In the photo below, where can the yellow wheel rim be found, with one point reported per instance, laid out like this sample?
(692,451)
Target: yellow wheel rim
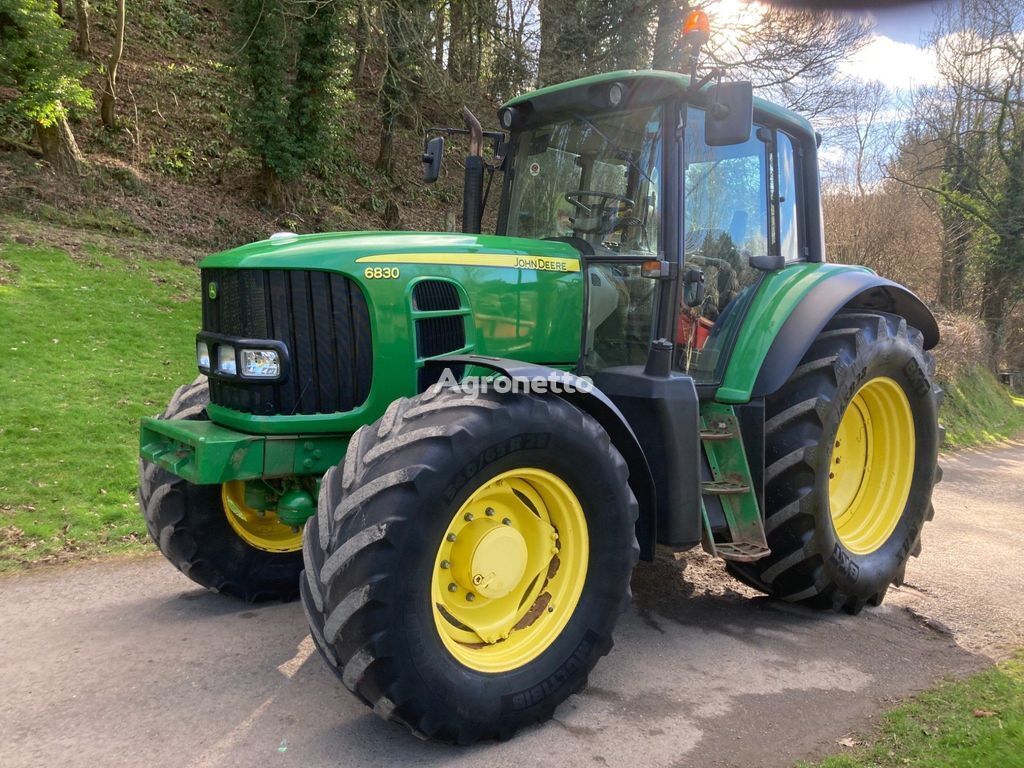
(871,466)
(264,531)
(510,570)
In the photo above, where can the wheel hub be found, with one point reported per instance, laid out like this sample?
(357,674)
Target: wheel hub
(489,558)
(871,466)
(510,570)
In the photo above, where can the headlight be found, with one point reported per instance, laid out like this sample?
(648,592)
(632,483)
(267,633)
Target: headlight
(261,363)
(203,355)
(226,360)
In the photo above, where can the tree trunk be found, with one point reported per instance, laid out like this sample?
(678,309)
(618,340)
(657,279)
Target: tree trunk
(671,15)
(109,99)
(385,156)
(551,22)
(82,19)
(273,188)
(456,40)
(439,36)
(60,8)
(59,147)
(362,44)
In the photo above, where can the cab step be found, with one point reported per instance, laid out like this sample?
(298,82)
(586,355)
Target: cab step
(724,488)
(713,436)
(741,551)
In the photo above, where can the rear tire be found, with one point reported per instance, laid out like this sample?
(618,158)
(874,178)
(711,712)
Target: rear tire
(373,552)
(811,562)
(189,525)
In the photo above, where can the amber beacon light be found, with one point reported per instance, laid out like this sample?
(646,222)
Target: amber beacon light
(697,22)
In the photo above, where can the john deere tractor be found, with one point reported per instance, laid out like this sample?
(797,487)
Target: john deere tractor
(456,446)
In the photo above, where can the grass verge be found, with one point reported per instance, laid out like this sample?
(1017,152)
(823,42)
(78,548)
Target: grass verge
(978,409)
(90,344)
(974,722)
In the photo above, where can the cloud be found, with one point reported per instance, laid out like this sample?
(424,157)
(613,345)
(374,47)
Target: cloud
(901,66)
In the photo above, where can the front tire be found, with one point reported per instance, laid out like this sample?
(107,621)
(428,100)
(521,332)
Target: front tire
(469,560)
(189,523)
(851,442)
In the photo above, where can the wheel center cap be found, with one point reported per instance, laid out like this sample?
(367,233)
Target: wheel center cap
(489,558)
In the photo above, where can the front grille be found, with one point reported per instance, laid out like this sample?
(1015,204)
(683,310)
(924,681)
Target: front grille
(434,295)
(321,317)
(437,335)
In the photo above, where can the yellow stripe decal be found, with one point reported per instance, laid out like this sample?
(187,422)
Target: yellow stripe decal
(511,261)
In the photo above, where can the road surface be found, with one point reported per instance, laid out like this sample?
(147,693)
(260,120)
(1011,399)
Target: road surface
(127,663)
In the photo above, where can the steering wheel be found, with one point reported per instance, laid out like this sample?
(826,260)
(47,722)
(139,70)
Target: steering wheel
(599,217)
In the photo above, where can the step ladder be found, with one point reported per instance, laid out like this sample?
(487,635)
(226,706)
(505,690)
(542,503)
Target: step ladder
(731,483)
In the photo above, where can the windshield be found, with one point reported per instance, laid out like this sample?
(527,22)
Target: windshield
(595,177)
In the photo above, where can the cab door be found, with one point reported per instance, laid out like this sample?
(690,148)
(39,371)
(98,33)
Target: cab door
(741,202)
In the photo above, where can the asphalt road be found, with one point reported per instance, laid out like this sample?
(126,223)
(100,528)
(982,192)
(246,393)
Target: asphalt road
(127,663)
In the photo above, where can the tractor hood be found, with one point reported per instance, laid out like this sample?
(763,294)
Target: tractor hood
(352,251)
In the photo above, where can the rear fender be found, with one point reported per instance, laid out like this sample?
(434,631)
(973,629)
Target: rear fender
(790,310)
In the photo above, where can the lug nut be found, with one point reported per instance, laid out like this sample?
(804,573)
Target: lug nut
(470,596)
(506,521)
(451,537)
(468,516)
(489,511)
(445,564)
(453,588)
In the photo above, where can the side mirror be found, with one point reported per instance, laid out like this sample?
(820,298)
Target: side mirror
(433,153)
(730,114)
(693,288)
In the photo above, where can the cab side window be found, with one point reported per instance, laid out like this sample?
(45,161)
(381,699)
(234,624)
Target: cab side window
(789,218)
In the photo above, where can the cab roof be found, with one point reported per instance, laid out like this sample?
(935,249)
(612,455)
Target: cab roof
(666,83)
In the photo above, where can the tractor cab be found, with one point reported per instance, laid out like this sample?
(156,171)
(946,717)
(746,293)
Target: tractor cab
(676,218)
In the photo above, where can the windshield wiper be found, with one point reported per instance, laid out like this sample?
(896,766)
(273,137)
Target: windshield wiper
(627,156)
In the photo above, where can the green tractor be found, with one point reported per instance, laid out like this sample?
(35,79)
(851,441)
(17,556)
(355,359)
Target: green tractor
(456,446)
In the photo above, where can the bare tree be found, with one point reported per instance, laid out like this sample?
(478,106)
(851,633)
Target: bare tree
(109,98)
(861,132)
(966,150)
(794,55)
(82,23)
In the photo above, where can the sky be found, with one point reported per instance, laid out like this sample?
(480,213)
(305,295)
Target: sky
(899,54)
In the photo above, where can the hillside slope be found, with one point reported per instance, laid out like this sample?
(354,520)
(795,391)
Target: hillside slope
(172,171)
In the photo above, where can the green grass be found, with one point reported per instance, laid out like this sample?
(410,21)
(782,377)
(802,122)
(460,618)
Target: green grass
(89,345)
(975,722)
(978,409)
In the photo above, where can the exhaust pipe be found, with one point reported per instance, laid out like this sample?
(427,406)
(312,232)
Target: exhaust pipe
(473,185)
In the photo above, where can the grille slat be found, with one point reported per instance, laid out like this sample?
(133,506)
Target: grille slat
(341,313)
(323,320)
(434,295)
(437,335)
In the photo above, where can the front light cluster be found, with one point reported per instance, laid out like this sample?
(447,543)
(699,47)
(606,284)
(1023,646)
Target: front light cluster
(255,363)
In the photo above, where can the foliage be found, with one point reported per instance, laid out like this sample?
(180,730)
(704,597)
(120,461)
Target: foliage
(92,344)
(290,54)
(37,65)
(964,148)
(973,722)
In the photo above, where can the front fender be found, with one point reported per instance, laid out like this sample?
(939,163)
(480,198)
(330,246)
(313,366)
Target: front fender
(789,311)
(598,405)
